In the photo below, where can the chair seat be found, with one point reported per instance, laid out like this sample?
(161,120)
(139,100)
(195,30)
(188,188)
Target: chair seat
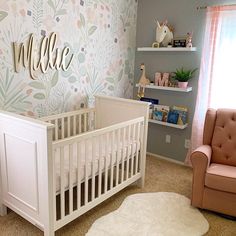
(221,177)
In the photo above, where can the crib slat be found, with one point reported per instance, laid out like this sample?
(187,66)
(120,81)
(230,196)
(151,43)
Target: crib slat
(68,126)
(54,183)
(56,129)
(118,155)
(85,122)
(71,178)
(100,167)
(132,149)
(74,125)
(86,172)
(93,166)
(123,155)
(80,124)
(137,149)
(128,152)
(62,175)
(63,128)
(106,161)
(112,158)
(78,175)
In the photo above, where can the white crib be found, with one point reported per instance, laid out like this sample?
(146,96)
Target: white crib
(57,168)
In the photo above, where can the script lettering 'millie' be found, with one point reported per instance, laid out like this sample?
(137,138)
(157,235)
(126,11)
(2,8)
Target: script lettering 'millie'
(48,56)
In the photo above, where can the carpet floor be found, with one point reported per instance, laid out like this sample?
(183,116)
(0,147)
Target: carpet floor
(161,176)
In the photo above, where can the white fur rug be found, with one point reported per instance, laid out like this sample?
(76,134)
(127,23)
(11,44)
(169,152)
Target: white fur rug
(152,214)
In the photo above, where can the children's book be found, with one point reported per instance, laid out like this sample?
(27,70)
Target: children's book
(183,114)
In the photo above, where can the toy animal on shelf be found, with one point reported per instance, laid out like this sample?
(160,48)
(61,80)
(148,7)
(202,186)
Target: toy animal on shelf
(162,80)
(142,82)
(164,34)
(189,40)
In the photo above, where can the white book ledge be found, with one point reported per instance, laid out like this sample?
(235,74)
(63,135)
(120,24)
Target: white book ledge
(185,90)
(164,49)
(168,124)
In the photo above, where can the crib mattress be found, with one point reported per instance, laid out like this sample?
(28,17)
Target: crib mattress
(106,153)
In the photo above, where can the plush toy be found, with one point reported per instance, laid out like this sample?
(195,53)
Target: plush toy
(164,34)
(142,82)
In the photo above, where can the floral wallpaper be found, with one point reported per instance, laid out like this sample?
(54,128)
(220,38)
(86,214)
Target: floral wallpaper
(101,35)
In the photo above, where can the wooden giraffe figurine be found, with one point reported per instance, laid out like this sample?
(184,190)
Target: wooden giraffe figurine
(142,82)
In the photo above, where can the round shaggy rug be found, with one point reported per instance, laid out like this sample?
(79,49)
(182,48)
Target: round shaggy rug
(152,214)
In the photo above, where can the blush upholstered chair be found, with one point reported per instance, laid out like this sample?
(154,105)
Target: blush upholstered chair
(214,164)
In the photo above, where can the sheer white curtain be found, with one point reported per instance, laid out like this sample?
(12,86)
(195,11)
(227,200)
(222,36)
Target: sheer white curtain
(217,81)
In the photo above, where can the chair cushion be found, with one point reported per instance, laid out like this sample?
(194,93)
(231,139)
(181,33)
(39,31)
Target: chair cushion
(224,138)
(221,177)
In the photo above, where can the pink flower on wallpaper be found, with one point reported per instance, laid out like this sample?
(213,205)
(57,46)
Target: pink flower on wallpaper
(91,16)
(4,6)
(49,23)
(22,12)
(79,24)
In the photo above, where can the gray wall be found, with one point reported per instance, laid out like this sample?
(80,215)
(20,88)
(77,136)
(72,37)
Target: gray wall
(182,14)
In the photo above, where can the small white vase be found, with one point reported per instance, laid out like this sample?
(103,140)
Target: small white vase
(182,84)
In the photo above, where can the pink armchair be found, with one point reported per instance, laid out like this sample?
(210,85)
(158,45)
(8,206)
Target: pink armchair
(214,164)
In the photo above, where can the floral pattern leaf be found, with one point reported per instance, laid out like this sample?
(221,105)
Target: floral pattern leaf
(82,19)
(110,79)
(39,96)
(92,29)
(51,4)
(3,14)
(120,75)
(37,85)
(61,12)
(54,79)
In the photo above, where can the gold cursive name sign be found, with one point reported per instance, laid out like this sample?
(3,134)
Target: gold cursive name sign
(46,57)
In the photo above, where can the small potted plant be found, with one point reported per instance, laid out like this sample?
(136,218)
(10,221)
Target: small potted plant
(183,76)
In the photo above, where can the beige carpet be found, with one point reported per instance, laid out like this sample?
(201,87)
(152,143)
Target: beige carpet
(161,176)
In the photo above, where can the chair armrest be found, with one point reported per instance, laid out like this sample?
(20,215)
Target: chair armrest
(200,159)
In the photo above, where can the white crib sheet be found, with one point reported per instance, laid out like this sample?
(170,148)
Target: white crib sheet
(89,160)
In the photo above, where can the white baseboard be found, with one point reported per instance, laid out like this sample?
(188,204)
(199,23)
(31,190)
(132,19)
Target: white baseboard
(167,159)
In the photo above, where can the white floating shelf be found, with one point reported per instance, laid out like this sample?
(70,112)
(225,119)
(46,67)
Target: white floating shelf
(184,90)
(168,124)
(163,49)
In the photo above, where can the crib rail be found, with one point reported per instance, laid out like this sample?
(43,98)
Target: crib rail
(95,165)
(71,123)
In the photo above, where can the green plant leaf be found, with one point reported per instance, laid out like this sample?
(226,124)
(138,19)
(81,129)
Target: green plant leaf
(54,79)
(37,85)
(92,29)
(39,96)
(3,15)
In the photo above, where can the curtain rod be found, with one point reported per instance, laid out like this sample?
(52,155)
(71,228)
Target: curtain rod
(205,7)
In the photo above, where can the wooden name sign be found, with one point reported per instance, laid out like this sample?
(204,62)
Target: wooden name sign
(47,56)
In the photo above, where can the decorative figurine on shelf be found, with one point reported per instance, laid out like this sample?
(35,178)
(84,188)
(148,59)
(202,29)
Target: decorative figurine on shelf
(157,78)
(162,80)
(189,40)
(165,79)
(164,35)
(142,82)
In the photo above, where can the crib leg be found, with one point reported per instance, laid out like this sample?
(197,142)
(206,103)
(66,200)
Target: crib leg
(49,232)
(3,210)
(141,182)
